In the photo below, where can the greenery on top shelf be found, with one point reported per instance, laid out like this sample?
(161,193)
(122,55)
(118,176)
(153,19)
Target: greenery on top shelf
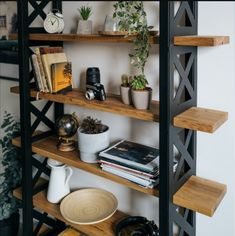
(132,18)
(85,12)
(11,164)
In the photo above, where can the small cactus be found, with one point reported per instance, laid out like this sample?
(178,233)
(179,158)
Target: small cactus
(125,80)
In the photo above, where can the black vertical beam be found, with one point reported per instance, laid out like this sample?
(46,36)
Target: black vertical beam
(165,194)
(169,107)
(25,121)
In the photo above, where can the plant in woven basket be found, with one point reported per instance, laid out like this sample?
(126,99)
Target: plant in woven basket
(92,126)
(10,161)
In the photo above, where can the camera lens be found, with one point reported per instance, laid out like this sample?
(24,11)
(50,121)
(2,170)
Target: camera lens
(92,75)
(89,95)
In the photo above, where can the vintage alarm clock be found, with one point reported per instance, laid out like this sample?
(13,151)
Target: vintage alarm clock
(54,22)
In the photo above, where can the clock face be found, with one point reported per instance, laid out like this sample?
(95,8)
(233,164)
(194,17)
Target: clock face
(53,24)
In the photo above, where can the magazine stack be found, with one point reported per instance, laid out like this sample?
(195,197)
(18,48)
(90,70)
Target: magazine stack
(135,162)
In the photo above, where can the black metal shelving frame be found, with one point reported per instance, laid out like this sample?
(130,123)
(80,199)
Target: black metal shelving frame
(181,21)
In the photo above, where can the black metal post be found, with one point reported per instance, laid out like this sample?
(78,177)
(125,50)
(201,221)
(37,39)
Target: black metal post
(172,102)
(25,116)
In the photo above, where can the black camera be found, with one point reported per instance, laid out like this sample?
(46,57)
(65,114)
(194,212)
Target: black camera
(94,89)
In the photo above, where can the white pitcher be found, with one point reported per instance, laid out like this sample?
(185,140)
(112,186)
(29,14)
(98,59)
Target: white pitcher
(59,181)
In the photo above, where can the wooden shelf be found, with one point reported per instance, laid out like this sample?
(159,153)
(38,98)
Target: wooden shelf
(47,147)
(200,195)
(196,40)
(201,119)
(112,104)
(103,228)
(97,38)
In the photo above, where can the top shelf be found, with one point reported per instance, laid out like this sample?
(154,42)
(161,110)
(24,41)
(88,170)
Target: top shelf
(189,40)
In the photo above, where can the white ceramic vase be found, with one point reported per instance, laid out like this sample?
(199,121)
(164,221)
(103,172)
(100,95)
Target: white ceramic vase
(58,186)
(91,144)
(84,27)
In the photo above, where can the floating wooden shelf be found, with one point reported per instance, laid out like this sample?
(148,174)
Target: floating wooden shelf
(195,40)
(103,228)
(47,147)
(97,38)
(200,195)
(112,104)
(200,119)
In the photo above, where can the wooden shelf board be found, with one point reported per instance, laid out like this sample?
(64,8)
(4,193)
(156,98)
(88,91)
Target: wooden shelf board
(200,119)
(85,38)
(196,40)
(200,195)
(103,228)
(112,104)
(47,147)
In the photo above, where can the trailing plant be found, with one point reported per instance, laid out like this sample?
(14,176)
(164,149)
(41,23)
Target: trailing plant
(92,126)
(11,165)
(126,80)
(85,12)
(132,18)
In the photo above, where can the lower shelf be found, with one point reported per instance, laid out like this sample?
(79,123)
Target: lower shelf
(200,195)
(103,228)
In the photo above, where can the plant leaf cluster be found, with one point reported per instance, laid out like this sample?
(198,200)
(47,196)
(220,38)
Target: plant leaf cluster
(90,125)
(132,18)
(85,12)
(11,164)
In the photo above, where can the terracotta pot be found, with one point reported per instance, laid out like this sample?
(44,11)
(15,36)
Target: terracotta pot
(141,98)
(126,95)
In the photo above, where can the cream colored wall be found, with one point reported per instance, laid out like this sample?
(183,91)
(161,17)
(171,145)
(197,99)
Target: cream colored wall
(216,73)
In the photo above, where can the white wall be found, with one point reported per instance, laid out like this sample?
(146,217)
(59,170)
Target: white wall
(216,73)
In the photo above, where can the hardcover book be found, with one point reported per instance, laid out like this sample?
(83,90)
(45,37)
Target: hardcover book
(133,154)
(61,75)
(47,61)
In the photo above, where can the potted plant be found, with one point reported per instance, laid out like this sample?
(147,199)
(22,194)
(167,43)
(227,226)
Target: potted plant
(85,25)
(132,18)
(125,89)
(10,178)
(93,137)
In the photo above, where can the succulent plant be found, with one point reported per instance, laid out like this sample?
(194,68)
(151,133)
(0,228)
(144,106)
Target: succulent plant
(11,162)
(85,12)
(126,80)
(92,126)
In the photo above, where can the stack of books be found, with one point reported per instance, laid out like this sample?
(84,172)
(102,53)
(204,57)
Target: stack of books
(135,162)
(51,69)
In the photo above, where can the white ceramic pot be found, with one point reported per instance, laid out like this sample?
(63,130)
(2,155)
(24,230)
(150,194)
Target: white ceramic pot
(84,27)
(141,98)
(125,95)
(91,144)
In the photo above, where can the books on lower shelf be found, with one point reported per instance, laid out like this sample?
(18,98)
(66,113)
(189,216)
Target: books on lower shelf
(135,162)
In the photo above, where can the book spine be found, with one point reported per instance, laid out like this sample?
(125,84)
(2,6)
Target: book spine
(35,69)
(47,72)
(43,77)
(46,50)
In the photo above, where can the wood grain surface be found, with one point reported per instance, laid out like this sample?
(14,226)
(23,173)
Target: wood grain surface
(201,119)
(196,40)
(112,104)
(47,147)
(200,195)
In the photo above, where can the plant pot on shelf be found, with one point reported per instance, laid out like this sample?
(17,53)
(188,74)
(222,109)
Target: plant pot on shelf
(84,27)
(125,95)
(141,98)
(10,226)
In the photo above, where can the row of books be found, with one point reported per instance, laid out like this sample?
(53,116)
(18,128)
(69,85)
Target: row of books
(135,162)
(52,71)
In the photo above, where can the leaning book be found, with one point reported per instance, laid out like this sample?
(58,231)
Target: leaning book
(133,154)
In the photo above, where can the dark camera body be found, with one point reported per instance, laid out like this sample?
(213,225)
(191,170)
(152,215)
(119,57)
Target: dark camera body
(94,89)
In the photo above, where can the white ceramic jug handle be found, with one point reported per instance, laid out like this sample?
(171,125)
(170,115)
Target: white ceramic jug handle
(69,174)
